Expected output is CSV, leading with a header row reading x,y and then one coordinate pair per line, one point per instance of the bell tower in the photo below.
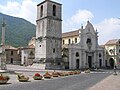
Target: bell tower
x,y
49,34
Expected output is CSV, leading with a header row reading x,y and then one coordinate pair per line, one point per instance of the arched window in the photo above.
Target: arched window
x,y
100,55
31,53
77,54
69,41
88,41
41,11
75,40
53,50
63,42
54,10
11,53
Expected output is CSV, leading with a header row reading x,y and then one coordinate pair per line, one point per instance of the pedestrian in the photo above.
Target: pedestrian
x,y
115,70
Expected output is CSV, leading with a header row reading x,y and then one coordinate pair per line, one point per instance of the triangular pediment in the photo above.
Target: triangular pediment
x,y
89,28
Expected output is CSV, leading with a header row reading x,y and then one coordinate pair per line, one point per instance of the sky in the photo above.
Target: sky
x,y
103,14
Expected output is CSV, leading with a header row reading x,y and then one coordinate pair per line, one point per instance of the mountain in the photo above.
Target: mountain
x,y
18,31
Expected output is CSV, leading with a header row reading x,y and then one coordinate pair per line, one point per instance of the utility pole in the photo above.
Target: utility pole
x,y
3,56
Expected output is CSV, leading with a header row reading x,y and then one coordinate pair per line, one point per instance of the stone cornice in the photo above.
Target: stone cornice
x,y
49,17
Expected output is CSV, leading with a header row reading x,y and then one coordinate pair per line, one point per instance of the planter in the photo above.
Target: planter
x,y
77,72
61,74
66,74
4,79
47,75
87,71
37,77
55,74
71,73
23,78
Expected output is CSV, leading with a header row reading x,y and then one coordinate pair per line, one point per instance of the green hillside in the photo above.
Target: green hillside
x,y
18,30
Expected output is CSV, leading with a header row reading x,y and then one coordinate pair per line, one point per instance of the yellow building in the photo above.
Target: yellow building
x,y
70,37
112,49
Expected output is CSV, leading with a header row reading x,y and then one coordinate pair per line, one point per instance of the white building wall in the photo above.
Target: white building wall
x,y
24,56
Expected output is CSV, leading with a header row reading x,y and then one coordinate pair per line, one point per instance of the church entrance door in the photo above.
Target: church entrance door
x,y
77,63
90,61
100,62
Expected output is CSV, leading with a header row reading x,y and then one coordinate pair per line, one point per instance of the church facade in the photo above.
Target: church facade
x,y
82,50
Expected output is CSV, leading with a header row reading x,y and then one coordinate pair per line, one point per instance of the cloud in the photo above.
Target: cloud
x,y
108,29
26,10
11,8
80,17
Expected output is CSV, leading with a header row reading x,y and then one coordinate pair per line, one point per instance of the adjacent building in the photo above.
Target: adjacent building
x,y
27,55
112,53
12,57
20,56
